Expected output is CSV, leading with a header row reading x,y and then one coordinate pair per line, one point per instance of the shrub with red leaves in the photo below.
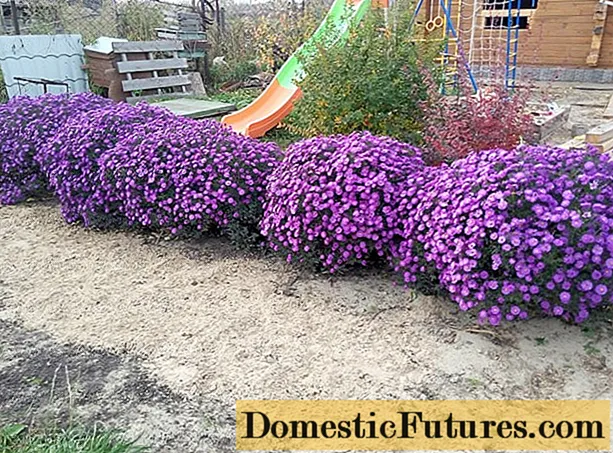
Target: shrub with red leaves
x,y
460,124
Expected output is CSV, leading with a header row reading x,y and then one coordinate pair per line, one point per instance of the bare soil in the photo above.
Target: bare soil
x,y
163,337
44,383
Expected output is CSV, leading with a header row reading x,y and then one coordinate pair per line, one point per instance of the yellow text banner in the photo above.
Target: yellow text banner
x,y
423,425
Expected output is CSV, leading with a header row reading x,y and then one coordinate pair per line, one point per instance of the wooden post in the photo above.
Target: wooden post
x,y
217,12
428,6
600,20
2,24
223,21
15,18
202,66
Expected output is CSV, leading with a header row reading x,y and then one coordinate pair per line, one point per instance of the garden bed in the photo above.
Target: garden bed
x,y
212,325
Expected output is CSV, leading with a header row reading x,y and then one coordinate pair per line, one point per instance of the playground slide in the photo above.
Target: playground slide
x,y
277,100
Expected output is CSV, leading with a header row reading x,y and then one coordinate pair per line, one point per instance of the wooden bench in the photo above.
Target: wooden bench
x,y
153,70
149,76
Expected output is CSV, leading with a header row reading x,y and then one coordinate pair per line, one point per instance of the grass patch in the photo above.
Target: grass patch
x,y
240,98
281,136
18,438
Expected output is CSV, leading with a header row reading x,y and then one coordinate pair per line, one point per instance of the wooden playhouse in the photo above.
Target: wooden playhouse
x,y
547,39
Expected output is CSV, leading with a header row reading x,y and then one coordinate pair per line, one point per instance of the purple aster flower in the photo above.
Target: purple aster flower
x,y
586,285
601,290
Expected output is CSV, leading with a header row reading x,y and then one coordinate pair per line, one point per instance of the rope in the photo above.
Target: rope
x,y
485,36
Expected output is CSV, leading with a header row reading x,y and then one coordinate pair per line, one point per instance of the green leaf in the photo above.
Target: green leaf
x,y
11,432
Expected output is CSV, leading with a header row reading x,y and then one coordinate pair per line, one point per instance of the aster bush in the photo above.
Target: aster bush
x,y
26,124
189,177
511,233
70,160
332,199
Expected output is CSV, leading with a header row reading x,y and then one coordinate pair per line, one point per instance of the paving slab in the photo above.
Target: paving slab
x,y
196,108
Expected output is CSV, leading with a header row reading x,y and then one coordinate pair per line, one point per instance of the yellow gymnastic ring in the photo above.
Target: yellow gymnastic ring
x,y
430,25
438,21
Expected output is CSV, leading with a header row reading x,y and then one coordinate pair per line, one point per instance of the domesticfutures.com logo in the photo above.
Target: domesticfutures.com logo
x,y
423,425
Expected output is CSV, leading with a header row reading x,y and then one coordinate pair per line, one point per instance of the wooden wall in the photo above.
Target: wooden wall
x,y
560,34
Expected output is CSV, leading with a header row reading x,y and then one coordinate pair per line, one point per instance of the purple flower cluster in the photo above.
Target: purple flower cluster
x,y
189,176
333,199
70,160
26,124
113,165
506,233
511,233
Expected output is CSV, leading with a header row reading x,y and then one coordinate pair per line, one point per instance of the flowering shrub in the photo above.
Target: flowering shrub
x,y
510,232
507,232
70,159
370,83
332,199
26,124
189,177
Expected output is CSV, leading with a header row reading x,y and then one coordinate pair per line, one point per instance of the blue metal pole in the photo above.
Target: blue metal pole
x,y
508,46
455,35
516,43
447,43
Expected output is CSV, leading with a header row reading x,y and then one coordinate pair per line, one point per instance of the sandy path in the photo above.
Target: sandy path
x,y
229,327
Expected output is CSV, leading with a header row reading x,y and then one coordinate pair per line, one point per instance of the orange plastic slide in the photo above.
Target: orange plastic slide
x,y
277,101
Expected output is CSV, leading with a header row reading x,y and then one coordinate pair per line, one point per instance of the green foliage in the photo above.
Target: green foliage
x,y
240,98
278,35
4,96
10,433
372,82
282,136
238,72
138,19
16,438
261,37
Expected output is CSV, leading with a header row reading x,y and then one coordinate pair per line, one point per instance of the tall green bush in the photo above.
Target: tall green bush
x,y
261,36
372,82
138,19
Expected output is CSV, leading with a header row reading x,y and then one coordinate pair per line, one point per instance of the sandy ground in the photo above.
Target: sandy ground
x,y
586,106
198,327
